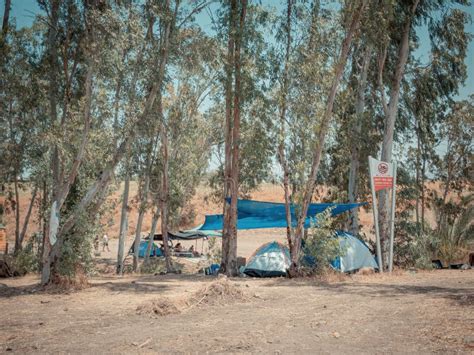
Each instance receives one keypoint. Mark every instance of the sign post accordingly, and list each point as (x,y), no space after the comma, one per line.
(392,218)
(383,176)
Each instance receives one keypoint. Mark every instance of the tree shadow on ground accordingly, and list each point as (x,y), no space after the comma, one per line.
(147,283)
(126,284)
(460,295)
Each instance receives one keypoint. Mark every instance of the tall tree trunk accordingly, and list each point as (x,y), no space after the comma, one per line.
(28,215)
(311,182)
(164,198)
(391,112)
(6,17)
(154,223)
(417,178)
(226,232)
(281,145)
(3,38)
(423,167)
(353,187)
(52,96)
(230,266)
(123,220)
(17,213)
(141,215)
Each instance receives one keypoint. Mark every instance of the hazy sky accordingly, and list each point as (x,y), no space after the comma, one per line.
(24,12)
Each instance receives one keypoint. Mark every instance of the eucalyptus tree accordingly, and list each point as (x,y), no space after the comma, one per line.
(22,119)
(352,15)
(242,141)
(188,131)
(95,192)
(393,55)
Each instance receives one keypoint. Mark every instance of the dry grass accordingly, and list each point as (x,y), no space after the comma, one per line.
(63,284)
(218,292)
(377,276)
(159,307)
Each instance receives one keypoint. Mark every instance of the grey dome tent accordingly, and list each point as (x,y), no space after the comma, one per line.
(270,260)
(273,259)
(356,254)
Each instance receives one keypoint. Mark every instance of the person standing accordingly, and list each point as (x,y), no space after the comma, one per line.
(96,244)
(105,242)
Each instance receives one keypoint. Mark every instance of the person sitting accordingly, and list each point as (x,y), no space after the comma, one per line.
(178,248)
(195,253)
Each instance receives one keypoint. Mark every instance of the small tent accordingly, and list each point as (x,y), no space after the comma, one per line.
(270,260)
(356,254)
(155,250)
(273,259)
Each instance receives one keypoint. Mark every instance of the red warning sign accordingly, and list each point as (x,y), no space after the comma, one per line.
(382,174)
(381,183)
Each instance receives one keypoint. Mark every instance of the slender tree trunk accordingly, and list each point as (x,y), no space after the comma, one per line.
(417,178)
(164,198)
(390,117)
(311,182)
(281,145)
(52,96)
(28,215)
(17,213)
(123,220)
(230,267)
(3,42)
(226,232)
(6,17)
(44,218)
(154,223)
(141,215)
(353,188)
(423,167)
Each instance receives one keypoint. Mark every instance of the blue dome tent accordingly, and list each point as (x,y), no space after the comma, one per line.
(269,260)
(356,254)
(273,259)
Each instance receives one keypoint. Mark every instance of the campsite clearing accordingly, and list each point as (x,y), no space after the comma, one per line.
(409,312)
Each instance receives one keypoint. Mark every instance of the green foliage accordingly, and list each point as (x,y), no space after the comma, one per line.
(214,253)
(154,266)
(455,228)
(412,247)
(27,260)
(321,244)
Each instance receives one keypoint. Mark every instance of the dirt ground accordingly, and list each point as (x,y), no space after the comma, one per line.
(407,313)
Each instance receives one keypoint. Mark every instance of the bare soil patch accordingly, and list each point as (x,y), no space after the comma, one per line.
(419,312)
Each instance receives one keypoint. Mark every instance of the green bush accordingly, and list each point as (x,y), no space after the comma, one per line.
(414,246)
(321,244)
(27,259)
(214,254)
(153,266)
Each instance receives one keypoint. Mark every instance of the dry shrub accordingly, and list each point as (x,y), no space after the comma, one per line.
(377,276)
(158,307)
(61,283)
(331,276)
(366,271)
(221,291)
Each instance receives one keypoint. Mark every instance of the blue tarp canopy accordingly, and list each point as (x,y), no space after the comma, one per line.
(256,214)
